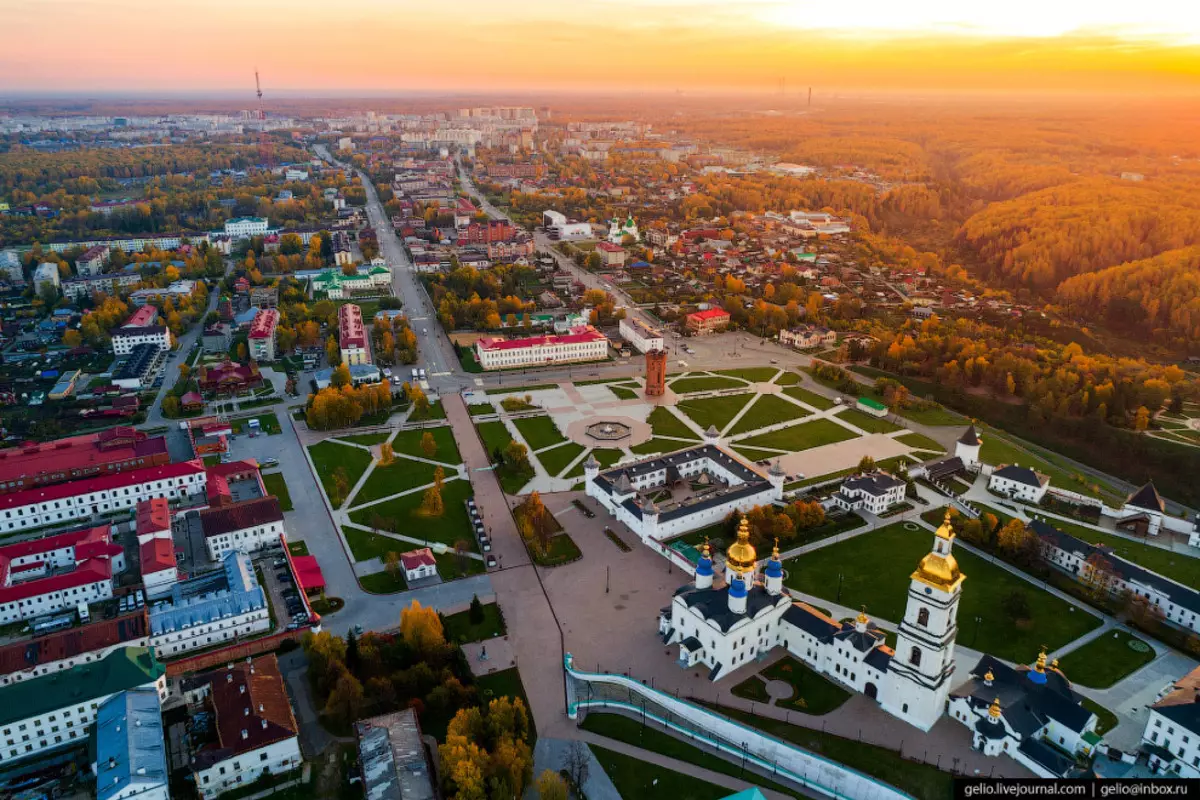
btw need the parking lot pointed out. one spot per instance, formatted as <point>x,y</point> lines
<point>280,585</point>
<point>481,535</point>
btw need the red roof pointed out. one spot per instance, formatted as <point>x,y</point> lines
<point>712,313</point>
<point>93,570</point>
<point>308,572</point>
<point>27,654</point>
<point>609,247</point>
<point>117,480</point>
<point>588,334</point>
<point>192,399</point>
<point>153,515</point>
<point>51,543</point>
<point>157,555</point>
<point>146,315</point>
<point>418,558</point>
<point>261,710</point>
<point>351,332</point>
<point>264,324</point>
<point>88,453</point>
<point>239,516</point>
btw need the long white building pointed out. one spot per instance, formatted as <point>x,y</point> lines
<point>640,335</point>
<point>58,573</point>
<point>581,344</point>
<point>245,227</point>
<point>209,609</point>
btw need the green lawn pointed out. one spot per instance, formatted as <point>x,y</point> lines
<point>399,476</point>
<point>539,431</point>
<point>633,778</point>
<point>1106,659</point>
<point>631,731</point>
<point>365,545</point>
<point>367,439</point>
<point>383,583</point>
<point>919,441</point>
<point>536,387</point>
<point>923,781</point>
<point>556,459</point>
<point>997,450</point>
<point>607,456</point>
<point>868,423</point>
<point>754,454</point>
<point>623,393</point>
<point>752,688</point>
<point>409,443</point>
<point>297,547</point>
<point>268,424</point>
<point>875,571</point>
<point>659,446</point>
<point>506,683</point>
<point>752,374</point>
<point>932,415</point>
<point>787,378</point>
<point>716,411</point>
<point>459,628</point>
<point>768,409</point>
<point>664,423</point>
<point>481,409</point>
<point>801,437</point>
<point>706,383</point>
<point>327,456</point>
<point>494,435</point>
<point>1108,720</point>
<point>1176,566</point>
<point>276,486</point>
<point>818,401</point>
<point>811,693</point>
<point>562,550</point>
<point>401,515</point>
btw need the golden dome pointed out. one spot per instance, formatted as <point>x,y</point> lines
<point>1054,664</point>
<point>862,618</point>
<point>989,677</point>
<point>704,551</point>
<point>946,530</point>
<point>1040,664</point>
<point>994,710</point>
<point>775,551</point>
<point>741,555</point>
<point>939,571</point>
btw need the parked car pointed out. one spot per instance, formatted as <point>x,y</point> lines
<point>491,560</point>
<point>587,512</point>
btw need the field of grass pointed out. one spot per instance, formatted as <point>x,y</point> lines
<point>997,450</point>
<point>787,378</point>
<point>328,456</point>
<point>867,422</point>
<point>494,434</point>
<point>401,515</point>
<point>754,454</point>
<point>366,439</point>
<point>275,485</point>
<point>365,545</point>
<point>875,571</point>
<point>811,692</point>
<point>818,401</point>
<point>705,383</point>
<point>556,459</point>
<point>768,409</point>
<point>801,437</point>
<point>607,456</point>
<point>623,393</point>
<point>919,441</point>
<point>932,415</point>
<point>383,582</point>
<point>1106,659</point>
<point>539,431</point>
<point>481,409</point>
<point>752,374</point>
<point>664,423</point>
<point>1176,566</point>
<point>716,411</point>
<point>459,628</point>
<point>409,443</point>
<point>561,550</point>
<point>268,424</point>
<point>537,387</point>
<point>399,476</point>
<point>634,778</point>
<point>659,446</point>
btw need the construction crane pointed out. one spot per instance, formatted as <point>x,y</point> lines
<point>265,154</point>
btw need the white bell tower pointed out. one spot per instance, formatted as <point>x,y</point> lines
<point>919,675</point>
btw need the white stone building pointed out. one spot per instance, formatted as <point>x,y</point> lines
<point>125,338</point>
<point>242,527</point>
<point>209,609</point>
<point>418,564</point>
<point>581,344</point>
<point>91,262</point>
<point>57,573</point>
<point>804,337</point>
<point>640,335</point>
<point>245,227</point>
<point>1171,739</point>
<point>1019,483</point>
<point>966,448</point>
<point>46,274</point>
<point>875,492</point>
<point>733,486</point>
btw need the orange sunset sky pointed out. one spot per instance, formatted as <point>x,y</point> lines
<point>380,46</point>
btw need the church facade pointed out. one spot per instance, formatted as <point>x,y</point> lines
<point>722,621</point>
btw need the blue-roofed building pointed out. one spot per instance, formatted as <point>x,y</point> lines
<point>218,606</point>
<point>131,755</point>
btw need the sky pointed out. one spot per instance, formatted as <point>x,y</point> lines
<point>380,46</point>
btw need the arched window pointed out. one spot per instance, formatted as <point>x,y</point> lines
<point>923,616</point>
<point>914,658</point>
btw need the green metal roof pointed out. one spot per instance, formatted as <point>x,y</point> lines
<point>125,668</point>
<point>875,404</point>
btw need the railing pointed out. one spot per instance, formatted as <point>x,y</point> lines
<point>618,693</point>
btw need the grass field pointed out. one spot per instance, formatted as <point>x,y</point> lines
<point>811,692</point>
<point>716,411</point>
<point>365,545</point>
<point>268,424</point>
<point>459,628</point>
<point>366,439</point>
<point>275,485</point>
<point>536,387</point>
<point>659,446</point>
<point>867,422</point>
<point>399,476</point>
<point>481,409</point>
<point>787,378</point>
<point>752,374</point>
<point>561,550</point>
<point>801,437</point>
<point>997,450</point>
<point>1176,566</point>
<point>383,583</point>
<point>664,423</point>
<point>919,441</point>
<point>933,415</point>
<point>1106,659</point>
<point>556,459</point>
<point>768,409</point>
<point>623,393</point>
<point>875,571</point>
<point>634,778</point>
<point>754,454</point>
<point>409,443</point>
<point>607,456</point>
<point>494,434</point>
<point>818,401</point>
<point>706,383</point>
<point>328,456</point>
<point>539,432</point>
<point>401,515</point>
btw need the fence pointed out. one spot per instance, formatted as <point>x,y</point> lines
<point>235,652</point>
<point>617,693</point>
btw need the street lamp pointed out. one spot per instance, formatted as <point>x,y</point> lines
<point>839,591</point>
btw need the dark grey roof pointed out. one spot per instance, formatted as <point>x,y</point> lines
<point>875,483</point>
<point>692,644</point>
<point>1182,596</point>
<point>989,729</point>
<point>714,499</point>
<point>879,658</point>
<point>945,467</point>
<point>862,642</point>
<point>1186,714</point>
<point>1146,497</point>
<point>810,622</point>
<point>1019,474</point>
<point>1054,760</point>
<point>969,437</point>
<point>713,604</point>
<point>1027,706</point>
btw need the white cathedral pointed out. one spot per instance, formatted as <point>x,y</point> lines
<point>724,620</point>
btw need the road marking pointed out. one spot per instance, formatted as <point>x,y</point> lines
<point>440,374</point>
